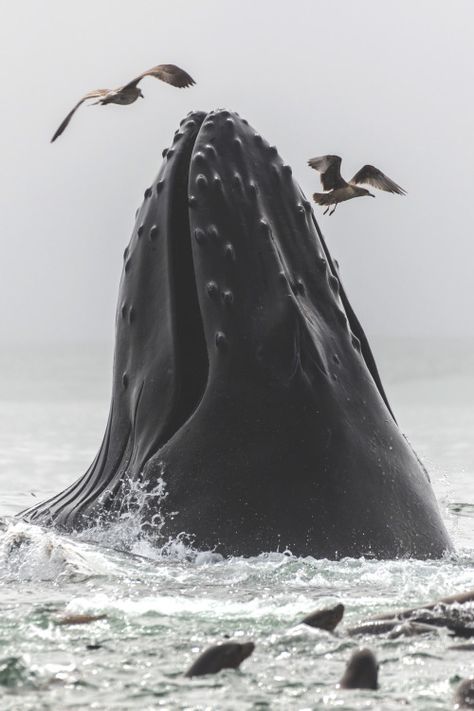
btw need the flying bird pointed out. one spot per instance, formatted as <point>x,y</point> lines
<point>130,92</point>
<point>338,190</point>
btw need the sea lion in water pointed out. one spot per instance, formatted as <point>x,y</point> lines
<point>457,621</point>
<point>373,627</point>
<point>463,647</point>
<point>410,629</point>
<point>448,613</point>
<point>326,619</point>
<point>464,696</point>
<point>420,623</point>
<point>361,671</point>
<point>221,656</point>
<point>79,619</point>
<point>460,598</point>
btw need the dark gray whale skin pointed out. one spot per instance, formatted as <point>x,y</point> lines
<point>242,378</point>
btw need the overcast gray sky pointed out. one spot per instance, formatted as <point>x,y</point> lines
<point>388,83</point>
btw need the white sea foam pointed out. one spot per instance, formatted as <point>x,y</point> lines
<point>29,552</point>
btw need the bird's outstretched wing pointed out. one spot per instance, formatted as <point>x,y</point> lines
<point>330,169</point>
<point>97,93</point>
<point>169,73</point>
<point>373,176</point>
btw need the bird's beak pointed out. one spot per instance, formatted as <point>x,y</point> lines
<point>371,195</point>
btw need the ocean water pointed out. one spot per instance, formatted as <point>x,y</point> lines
<point>163,607</point>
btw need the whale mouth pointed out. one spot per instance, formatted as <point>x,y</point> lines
<point>192,363</point>
<point>162,370</point>
<point>247,410</point>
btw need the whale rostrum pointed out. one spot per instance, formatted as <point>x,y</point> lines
<point>243,381</point>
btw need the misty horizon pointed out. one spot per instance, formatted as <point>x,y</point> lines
<point>398,97</point>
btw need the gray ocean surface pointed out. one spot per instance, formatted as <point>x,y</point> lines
<point>165,605</point>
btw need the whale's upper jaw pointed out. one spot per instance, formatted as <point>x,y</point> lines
<point>263,271</point>
<point>242,378</point>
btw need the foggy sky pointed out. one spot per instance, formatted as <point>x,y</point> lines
<point>376,82</point>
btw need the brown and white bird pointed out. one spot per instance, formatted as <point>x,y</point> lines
<point>338,190</point>
<point>128,93</point>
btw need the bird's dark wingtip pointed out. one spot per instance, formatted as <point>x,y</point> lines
<point>57,134</point>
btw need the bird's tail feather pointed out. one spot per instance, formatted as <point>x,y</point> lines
<point>323,198</point>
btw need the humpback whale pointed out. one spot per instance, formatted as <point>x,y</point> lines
<point>244,386</point>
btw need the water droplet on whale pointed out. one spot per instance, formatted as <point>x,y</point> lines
<point>212,288</point>
<point>221,340</point>
<point>201,181</point>
<point>227,297</point>
<point>229,252</point>
<point>199,235</point>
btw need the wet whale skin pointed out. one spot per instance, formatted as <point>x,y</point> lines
<point>243,382</point>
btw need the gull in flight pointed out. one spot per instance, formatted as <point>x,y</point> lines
<point>338,190</point>
<point>128,93</point>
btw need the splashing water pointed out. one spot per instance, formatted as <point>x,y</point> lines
<point>161,611</point>
<point>130,531</point>
<point>164,601</point>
